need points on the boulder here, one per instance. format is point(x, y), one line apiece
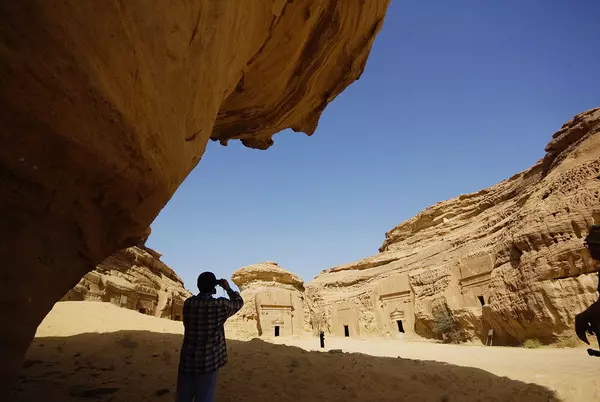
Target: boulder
point(106, 107)
point(273, 302)
point(265, 273)
point(509, 258)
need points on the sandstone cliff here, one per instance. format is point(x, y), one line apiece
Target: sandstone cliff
point(508, 258)
point(137, 279)
point(273, 301)
point(106, 106)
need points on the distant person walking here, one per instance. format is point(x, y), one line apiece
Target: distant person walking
point(589, 320)
point(204, 350)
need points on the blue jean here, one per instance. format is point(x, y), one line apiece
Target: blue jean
point(196, 387)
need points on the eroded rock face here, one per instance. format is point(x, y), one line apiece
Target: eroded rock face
point(508, 258)
point(273, 301)
point(137, 279)
point(107, 106)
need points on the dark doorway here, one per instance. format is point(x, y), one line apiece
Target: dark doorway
point(346, 331)
point(481, 300)
point(276, 330)
point(400, 326)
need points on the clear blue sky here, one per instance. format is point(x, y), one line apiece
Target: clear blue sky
point(456, 96)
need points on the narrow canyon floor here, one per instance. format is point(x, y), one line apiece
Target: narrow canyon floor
point(91, 351)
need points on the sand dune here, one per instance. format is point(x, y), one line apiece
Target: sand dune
point(92, 351)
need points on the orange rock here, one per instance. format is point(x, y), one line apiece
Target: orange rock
point(106, 107)
point(137, 279)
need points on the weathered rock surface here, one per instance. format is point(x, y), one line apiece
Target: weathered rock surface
point(137, 279)
point(105, 108)
point(508, 258)
point(273, 301)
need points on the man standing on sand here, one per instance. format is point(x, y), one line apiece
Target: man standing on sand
point(204, 350)
point(589, 320)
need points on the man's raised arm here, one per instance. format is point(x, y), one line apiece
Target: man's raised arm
point(235, 299)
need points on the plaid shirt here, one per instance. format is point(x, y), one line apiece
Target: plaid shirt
point(204, 349)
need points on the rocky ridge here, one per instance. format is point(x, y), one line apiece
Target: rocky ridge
point(509, 258)
point(137, 279)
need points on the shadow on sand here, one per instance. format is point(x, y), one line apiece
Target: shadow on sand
point(140, 366)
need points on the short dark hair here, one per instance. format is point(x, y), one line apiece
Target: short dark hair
point(207, 282)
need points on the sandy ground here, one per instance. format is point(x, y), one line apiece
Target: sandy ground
point(571, 373)
point(87, 351)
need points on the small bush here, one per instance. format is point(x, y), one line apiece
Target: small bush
point(532, 344)
point(447, 328)
point(570, 342)
point(443, 323)
point(318, 320)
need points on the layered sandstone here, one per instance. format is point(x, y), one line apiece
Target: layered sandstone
point(137, 279)
point(508, 258)
point(106, 106)
point(273, 301)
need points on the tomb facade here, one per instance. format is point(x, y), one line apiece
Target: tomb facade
point(344, 320)
point(475, 275)
point(395, 305)
point(273, 302)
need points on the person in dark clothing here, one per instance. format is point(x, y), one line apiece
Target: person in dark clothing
point(588, 321)
point(204, 350)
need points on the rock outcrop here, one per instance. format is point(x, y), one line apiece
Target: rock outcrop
point(509, 258)
point(107, 106)
point(273, 302)
point(137, 279)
